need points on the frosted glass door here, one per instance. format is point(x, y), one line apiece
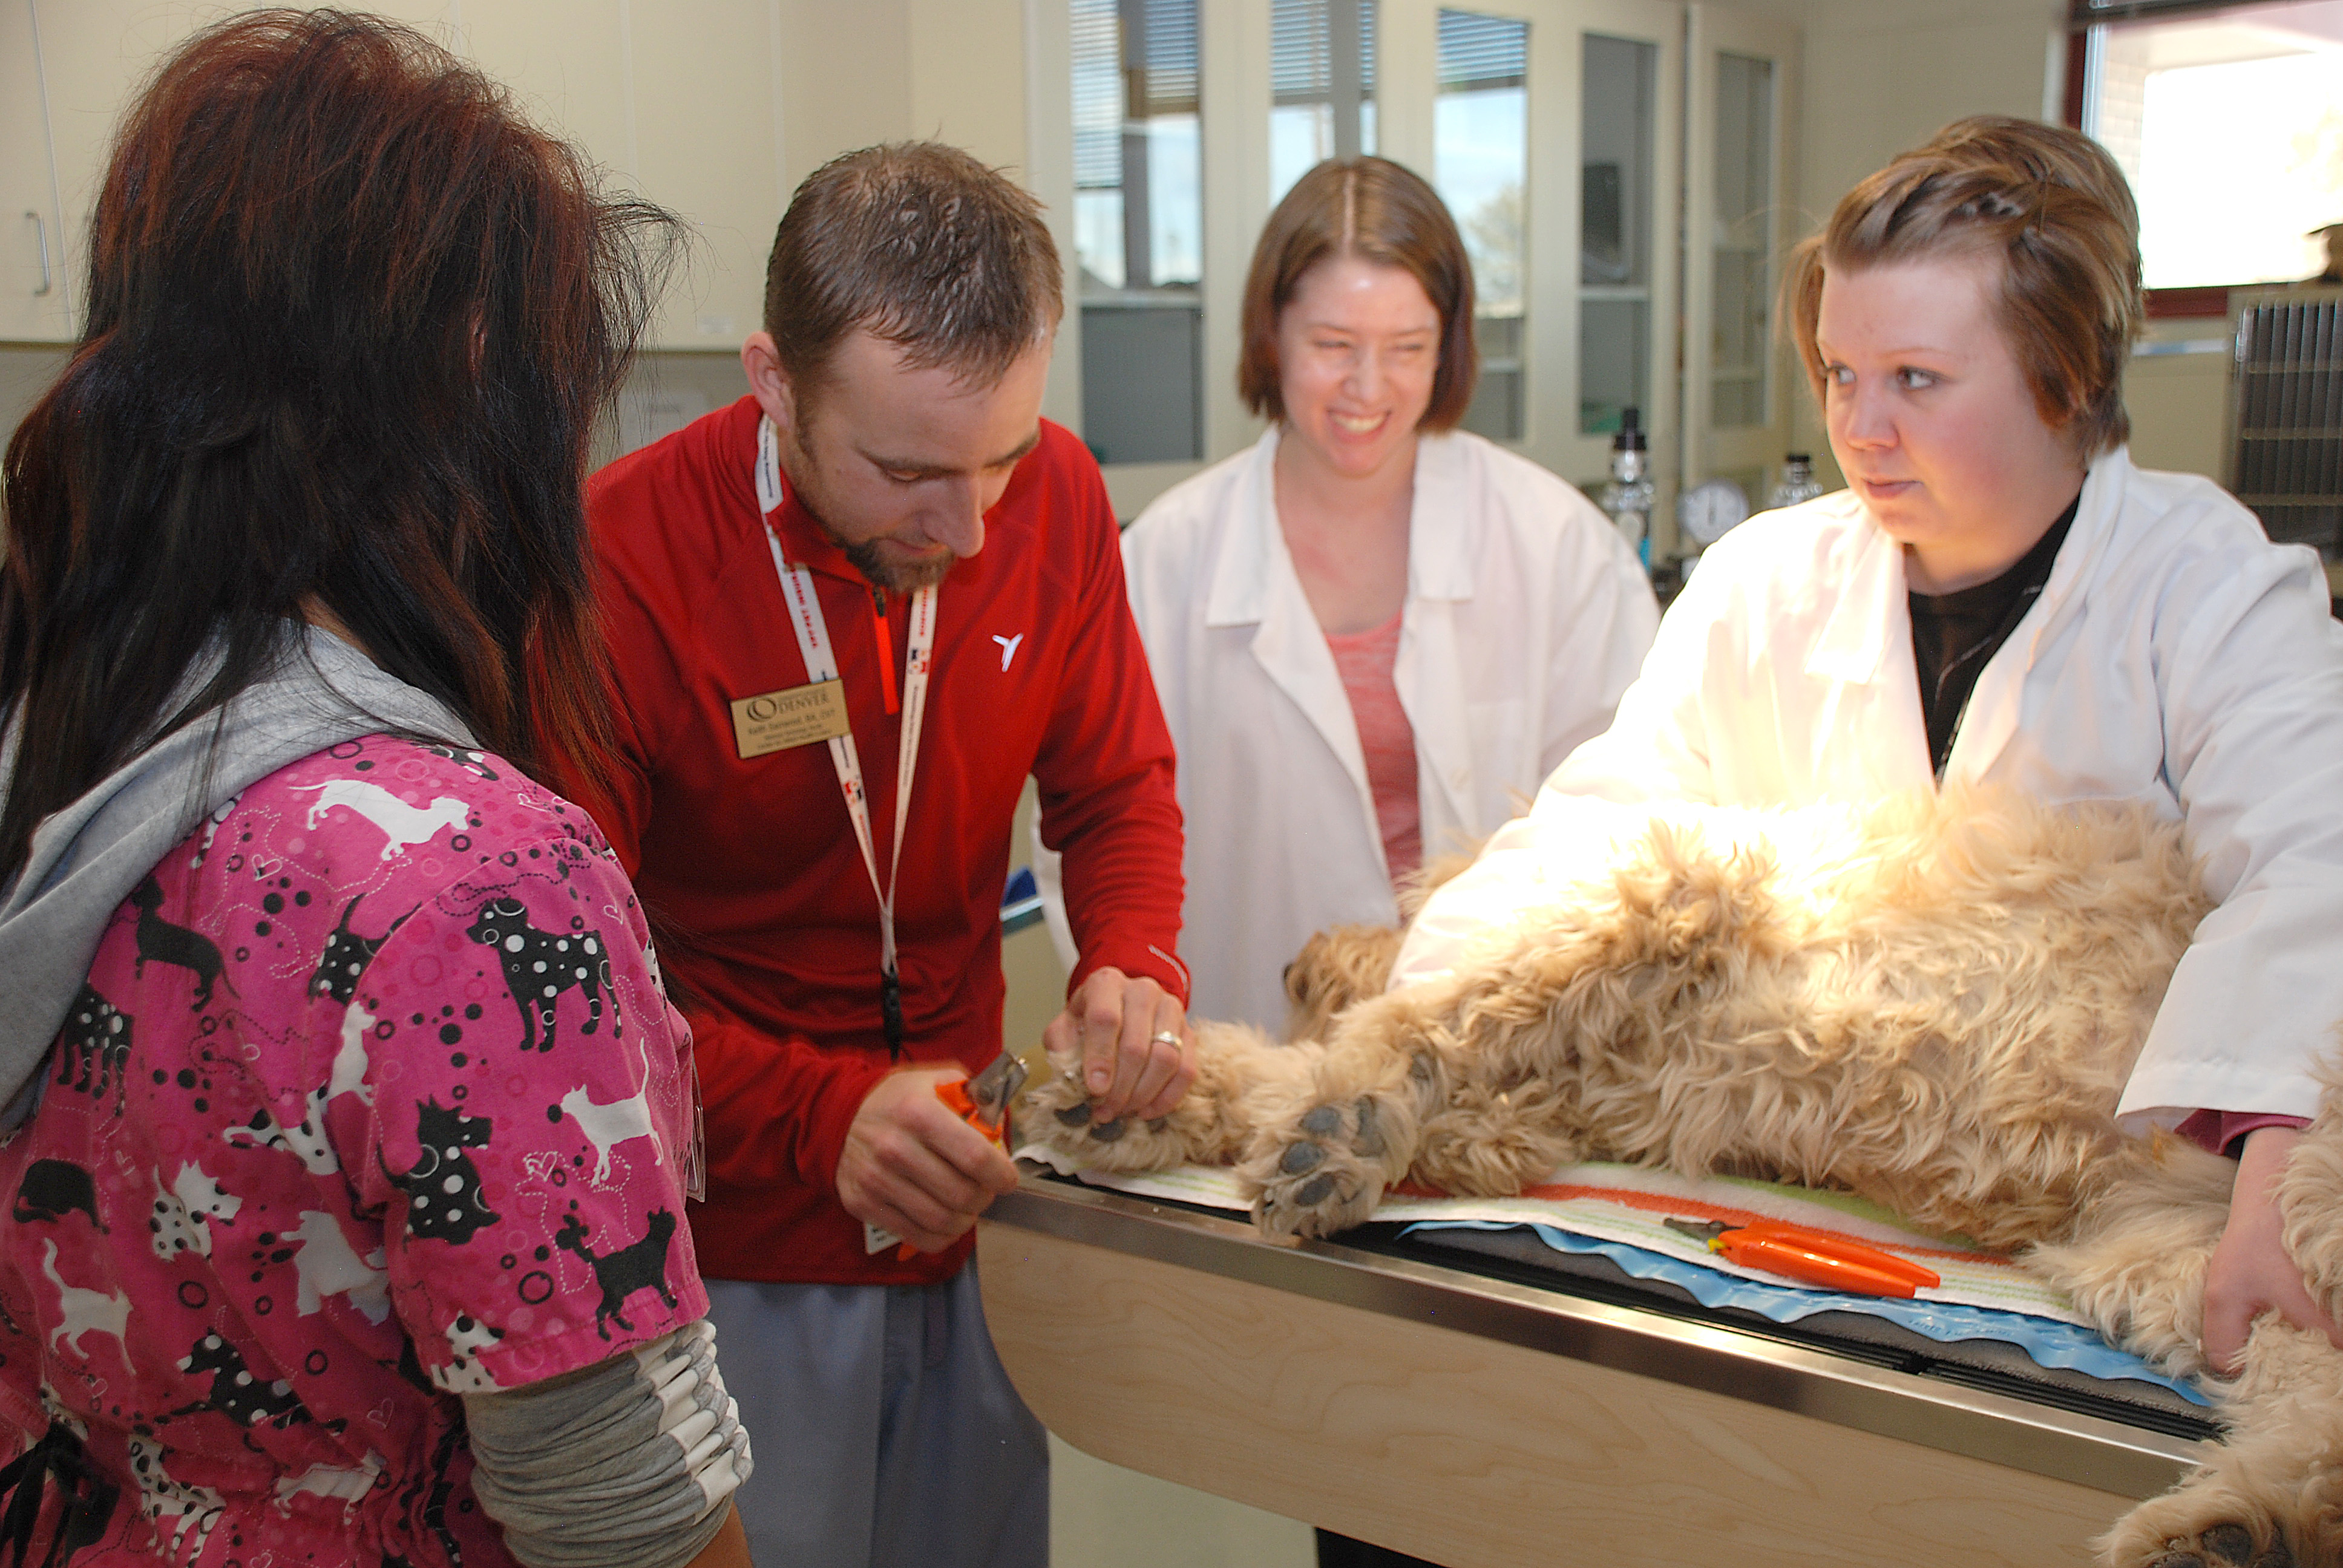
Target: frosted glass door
point(1551, 127)
point(1742, 382)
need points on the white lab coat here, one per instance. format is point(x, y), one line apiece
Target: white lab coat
point(2176, 656)
point(1526, 616)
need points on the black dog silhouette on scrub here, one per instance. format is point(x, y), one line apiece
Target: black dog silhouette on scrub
point(540, 965)
point(235, 1394)
point(346, 956)
point(166, 943)
point(472, 762)
point(640, 1266)
point(443, 1188)
point(52, 1188)
point(95, 1044)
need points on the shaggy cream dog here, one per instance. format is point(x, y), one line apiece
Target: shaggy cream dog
point(1933, 1003)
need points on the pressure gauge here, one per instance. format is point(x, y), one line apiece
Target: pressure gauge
point(1706, 512)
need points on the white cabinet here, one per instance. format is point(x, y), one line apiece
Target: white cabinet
point(1741, 377)
point(677, 103)
point(708, 147)
point(36, 284)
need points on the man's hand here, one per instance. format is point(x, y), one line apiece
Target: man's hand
point(2251, 1271)
point(912, 1167)
point(1119, 1024)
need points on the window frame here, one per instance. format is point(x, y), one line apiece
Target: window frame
point(2083, 18)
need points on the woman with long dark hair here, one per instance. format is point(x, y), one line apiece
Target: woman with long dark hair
point(351, 1128)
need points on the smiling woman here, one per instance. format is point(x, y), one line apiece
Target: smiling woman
point(1373, 633)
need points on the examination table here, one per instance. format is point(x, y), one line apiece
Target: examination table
point(1454, 1397)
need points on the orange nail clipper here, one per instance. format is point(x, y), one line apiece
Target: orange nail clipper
point(1810, 1257)
point(982, 1102)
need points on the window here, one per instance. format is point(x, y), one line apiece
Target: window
point(2230, 125)
point(1481, 168)
point(1139, 228)
point(1321, 67)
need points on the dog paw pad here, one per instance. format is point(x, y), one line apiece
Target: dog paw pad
point(2228, 1544)
point(1369, 1143)
point(1075, 1115)
point(1315, 1190)
point(1108, 1131)
point(1323, 1122)
point(1298, 1158)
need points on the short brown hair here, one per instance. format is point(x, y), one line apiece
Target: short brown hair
point(921, 245)
point(1377, 211)
point(2053, 206)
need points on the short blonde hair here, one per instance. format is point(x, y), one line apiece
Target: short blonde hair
point(2053, 206)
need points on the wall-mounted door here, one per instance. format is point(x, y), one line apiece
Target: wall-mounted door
point(1741, 379)
point(1556, 131)
point(1551, 129)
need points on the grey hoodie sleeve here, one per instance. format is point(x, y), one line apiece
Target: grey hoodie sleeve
point(631, 1463)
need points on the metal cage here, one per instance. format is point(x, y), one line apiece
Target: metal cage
point(2285, 458)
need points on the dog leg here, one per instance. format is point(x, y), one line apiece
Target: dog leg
point(1326, 1144)
point(2272, 1494)
point(1334, 968)
point(1203, 1129)
point(2134, 1264)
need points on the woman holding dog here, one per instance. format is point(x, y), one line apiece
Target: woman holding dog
point(348, 1122)
point(2001, 598)
point(1373, 633)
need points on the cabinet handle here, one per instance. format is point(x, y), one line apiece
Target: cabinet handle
point(41, 233)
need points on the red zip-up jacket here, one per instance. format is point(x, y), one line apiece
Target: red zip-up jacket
point(751, 869)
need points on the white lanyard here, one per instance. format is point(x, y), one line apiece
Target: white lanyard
point(821, 664)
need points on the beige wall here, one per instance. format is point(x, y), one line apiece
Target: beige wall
point(1882, 76)
point(25, 371)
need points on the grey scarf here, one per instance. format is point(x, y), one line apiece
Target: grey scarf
point(86, 858)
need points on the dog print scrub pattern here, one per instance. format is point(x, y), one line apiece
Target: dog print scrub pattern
point(372, 1100)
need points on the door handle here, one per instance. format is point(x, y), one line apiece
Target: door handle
point(41, 234)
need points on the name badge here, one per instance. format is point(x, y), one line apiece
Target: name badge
point(778, 720)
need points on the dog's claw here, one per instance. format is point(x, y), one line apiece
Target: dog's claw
point(1323, 1122)
point(1302, 1157)
point(1315, 1190)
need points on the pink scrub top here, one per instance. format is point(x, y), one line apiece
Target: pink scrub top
point(372, 1099)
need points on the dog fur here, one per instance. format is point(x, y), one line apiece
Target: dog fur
point(1933, 1003)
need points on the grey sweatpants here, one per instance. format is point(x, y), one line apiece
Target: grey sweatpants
point(886, 1432)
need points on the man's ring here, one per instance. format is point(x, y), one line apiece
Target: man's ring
point(1164, 1037)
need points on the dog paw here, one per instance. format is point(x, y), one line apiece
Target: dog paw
point(2224, 1546)
point(1059, 1117)
point(2197, 1527)
point(1321, 1174)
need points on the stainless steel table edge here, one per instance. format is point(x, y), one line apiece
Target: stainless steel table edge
point(2087, 1451)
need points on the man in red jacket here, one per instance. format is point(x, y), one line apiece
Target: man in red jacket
point(848, 616)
